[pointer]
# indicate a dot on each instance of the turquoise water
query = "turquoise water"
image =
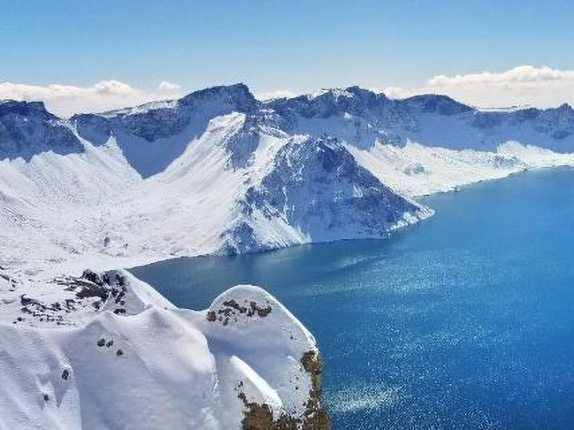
(464, 321)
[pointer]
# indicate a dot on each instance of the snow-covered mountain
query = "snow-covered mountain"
(153, 135)
(218, 171)
(215, 172)
(363, 118)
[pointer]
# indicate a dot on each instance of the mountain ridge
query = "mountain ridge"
(433, 120)
(141, 181)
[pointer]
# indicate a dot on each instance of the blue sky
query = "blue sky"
(278, 45)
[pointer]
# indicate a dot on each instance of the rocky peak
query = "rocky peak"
(326, 103)
(158, 120)
(27, 109)
(565, 108)
(436, 103)
(368, 96)
(319, 188)
(27, 128)
(237, 96)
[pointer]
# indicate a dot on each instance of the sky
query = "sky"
(94, 55)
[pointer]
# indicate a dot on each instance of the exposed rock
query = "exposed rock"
(260, 417)
(231, 309)
(319, 188)
(27, 129)
(316, 417)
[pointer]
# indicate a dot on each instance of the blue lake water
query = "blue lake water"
(464, 321)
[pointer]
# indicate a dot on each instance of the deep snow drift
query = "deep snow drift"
(216, 172)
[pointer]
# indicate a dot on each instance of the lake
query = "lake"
(464, 321)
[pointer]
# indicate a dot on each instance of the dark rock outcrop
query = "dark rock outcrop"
(27, 129)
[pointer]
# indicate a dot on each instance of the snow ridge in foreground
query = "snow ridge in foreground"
(135, 361)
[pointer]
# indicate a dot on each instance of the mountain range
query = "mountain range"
(220, 172)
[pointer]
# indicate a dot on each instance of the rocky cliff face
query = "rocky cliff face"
(159, 120)
(151, 136)
(352, 115)
(318, 187)
(27, 129)
(305, 189)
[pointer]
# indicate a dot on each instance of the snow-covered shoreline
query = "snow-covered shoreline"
(50, 382)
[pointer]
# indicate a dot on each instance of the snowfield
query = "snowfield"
(216, 172)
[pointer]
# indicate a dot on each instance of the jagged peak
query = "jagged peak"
(335, 93)
(360, 91)
(328, 102)
(434, 97)
(329, 92)
(238, 94)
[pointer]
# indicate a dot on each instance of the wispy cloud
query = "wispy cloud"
(66, 100)
(268, 95)
(168, 87)
(522, 85)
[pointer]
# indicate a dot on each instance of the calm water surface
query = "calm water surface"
(464, 321)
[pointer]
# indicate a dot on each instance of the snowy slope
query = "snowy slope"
(153, 135)
(124, 357)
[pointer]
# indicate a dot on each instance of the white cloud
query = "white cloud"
(521, 75)
(168, 87)
(66, 100)
(522, 85)
(268, 95)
